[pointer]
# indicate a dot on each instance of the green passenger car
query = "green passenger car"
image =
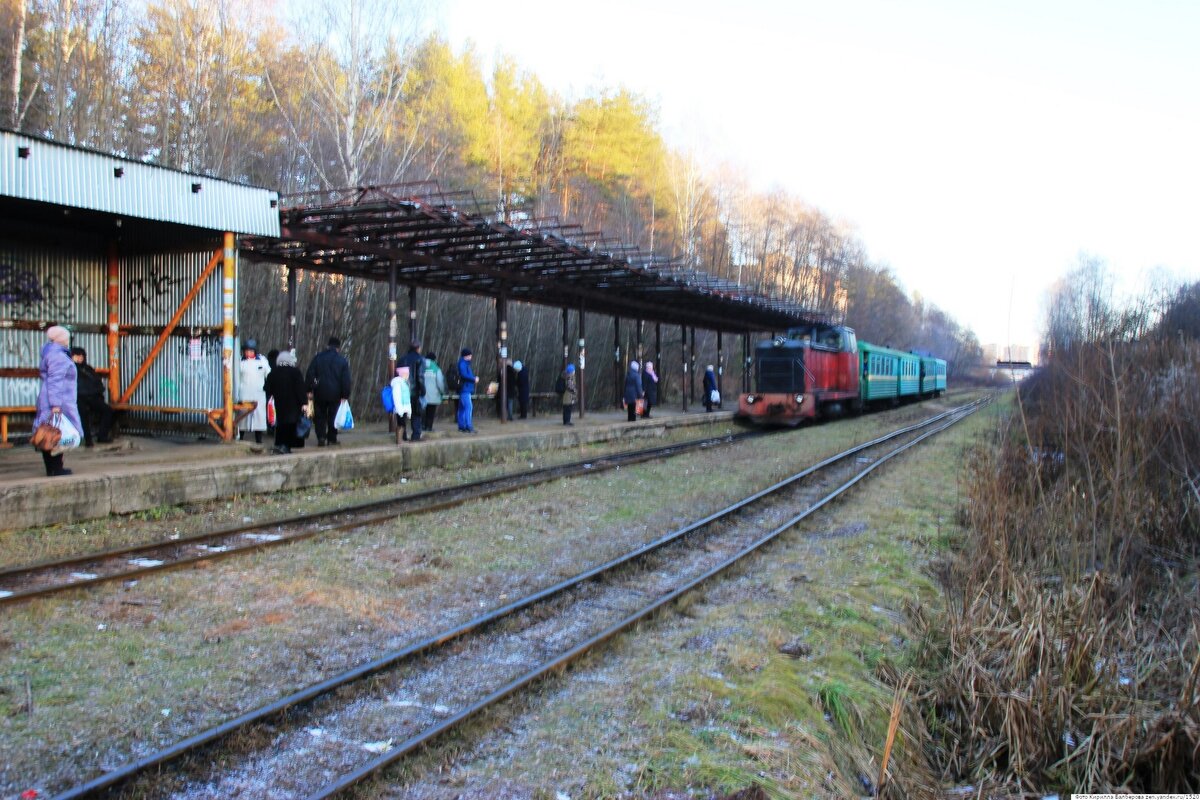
(887, 374)
(933, 376)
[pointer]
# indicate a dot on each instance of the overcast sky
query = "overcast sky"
(976, 147)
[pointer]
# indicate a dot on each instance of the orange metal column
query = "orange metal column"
(230, 275)
(114, 324)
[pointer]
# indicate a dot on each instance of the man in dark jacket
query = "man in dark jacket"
(416, 385)
(90, 399)
(328, 380)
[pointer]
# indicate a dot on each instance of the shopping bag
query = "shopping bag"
(389, 402)
(639, 407)
(71, 437)
(303, 428)
(344, 419)
(271, 413)
(714, 397)
(46, 437)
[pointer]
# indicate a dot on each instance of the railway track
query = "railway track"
(329, 726)
(22, 583)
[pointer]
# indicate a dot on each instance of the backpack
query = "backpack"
(560, 385)
(389, 402)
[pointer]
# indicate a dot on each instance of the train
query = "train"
(823, 370)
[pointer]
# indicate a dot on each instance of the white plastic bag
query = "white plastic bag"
(71, 437)
(714, 397)
(344, 419)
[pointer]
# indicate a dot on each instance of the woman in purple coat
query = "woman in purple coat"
(57, 395)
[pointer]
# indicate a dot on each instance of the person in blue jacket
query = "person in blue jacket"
(710, 386)
(466, 388)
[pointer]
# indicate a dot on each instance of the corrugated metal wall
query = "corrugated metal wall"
(44, 285)
(187, 372)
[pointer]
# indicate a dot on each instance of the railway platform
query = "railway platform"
(136, 473)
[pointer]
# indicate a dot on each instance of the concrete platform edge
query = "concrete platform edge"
(40, 501)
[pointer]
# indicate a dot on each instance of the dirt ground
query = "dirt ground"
(702, 698)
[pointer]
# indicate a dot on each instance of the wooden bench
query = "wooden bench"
(7, 412)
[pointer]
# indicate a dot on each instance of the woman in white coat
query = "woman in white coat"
(252, 377)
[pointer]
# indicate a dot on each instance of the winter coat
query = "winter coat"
(59, 386)
(523, 386)
(571, 395)
(252, 378)
(650, 385)
(435, 383)
(710, 382)
(88, 382)
(328, 376)
(402, 396)
(466, 377)
(633, 386)
(286, 384)
(416, 374)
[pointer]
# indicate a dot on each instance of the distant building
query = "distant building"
(993, 353)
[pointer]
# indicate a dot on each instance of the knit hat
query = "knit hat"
(633, 365)
(466, 351)
(710, 368)
(518, 366)
(570, 369)
(335, 341)
(285, 359)
(251, 344)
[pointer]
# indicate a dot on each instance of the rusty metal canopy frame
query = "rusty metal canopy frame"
(436, 242)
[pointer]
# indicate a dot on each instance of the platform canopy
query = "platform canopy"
(40, 180)
(443, 241)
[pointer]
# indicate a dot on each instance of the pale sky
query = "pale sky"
(975, 147)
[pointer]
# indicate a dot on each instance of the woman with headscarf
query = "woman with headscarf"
(285, 384)
(633, 390)
(57, 395)
(252, 378)
(650, 387)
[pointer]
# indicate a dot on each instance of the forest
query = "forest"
(339, 93)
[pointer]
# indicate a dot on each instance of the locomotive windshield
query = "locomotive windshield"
(779, 367)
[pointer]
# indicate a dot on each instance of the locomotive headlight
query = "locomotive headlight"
(799, 399)
(749, 399)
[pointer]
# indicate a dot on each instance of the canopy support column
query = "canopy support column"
(502, 353)
(720, 367)
(229, 280)
(618, 373)
(746, 362)
(113, 298)
(683, 359)
(692, 359)
(582, 359)
(291, 312)
(393, 328)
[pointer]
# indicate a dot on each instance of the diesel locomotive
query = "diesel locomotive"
(823, 370)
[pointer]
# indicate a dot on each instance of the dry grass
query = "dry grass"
(1070, 655)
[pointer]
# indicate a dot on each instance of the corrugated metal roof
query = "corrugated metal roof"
(48, 172)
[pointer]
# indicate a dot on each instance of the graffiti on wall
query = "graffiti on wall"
(153, 293)
(59, 296)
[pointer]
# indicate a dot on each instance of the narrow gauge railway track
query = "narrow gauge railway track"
(127, 563)
(341, 755)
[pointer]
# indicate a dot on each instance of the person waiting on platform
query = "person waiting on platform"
(286, 386)
(402, 401)
(510, 390)
(416, 385)
(711, 396)
(466, 381)
(328, 380)
(650, 387)
(57, 394)
(570, 394)
(252, 378)
(633, 390)
(435, 391)
(522, 388)
(90, 400)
